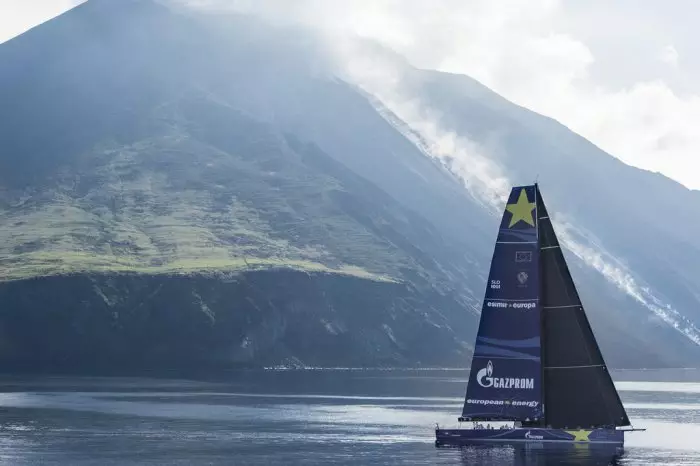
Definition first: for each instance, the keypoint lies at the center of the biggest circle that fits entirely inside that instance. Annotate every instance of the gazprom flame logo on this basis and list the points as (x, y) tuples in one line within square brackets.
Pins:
[(485, 373), (485, 378)]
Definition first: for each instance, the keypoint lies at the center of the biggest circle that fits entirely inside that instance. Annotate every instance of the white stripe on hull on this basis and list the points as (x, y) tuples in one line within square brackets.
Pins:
[(524, 440)]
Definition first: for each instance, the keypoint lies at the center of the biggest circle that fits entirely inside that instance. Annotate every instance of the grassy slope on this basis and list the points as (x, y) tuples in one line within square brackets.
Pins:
[(244, 200)]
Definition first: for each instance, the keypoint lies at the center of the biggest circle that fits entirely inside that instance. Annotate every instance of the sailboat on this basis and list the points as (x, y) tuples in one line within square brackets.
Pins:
[(536, 362)]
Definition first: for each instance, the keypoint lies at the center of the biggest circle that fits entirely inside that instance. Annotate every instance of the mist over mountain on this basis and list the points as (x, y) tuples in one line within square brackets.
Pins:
[(182, 188)]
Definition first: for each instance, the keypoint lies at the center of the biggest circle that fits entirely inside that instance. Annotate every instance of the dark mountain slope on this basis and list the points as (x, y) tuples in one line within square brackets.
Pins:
[(149, 323)]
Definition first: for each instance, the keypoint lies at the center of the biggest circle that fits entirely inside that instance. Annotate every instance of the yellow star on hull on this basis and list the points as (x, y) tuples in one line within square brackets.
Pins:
[(580, 435)]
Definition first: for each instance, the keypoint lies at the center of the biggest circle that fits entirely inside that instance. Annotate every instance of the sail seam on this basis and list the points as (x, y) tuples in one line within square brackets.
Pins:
[(513, 300), (575, 367), (561, 307), (549, 247), (516, 242), (480, 356)]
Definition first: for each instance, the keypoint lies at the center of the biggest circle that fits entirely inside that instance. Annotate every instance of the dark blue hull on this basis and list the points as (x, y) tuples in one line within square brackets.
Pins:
[(457, 437)]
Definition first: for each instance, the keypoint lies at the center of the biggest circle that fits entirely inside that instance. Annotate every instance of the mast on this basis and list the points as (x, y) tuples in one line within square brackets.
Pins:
[(543, 420), (505, 381), (578, 389)]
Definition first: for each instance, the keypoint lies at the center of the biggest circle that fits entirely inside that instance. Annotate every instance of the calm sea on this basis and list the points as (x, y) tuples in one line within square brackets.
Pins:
[(348, 417)]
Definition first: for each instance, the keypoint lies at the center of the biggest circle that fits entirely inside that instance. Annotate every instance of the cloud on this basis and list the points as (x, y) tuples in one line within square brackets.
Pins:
[(381, 78), (562, 59), (669, 55)]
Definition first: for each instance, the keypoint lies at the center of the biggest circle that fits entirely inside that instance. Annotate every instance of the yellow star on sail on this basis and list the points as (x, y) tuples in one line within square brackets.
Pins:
[(580, 435), (521, 210)]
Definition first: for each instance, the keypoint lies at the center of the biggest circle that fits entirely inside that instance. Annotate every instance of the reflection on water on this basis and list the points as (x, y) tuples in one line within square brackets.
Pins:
[(538, 454), (307, 417)]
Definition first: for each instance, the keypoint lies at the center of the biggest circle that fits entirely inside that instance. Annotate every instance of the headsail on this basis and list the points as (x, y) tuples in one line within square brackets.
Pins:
[(506, 374), (579, 391)]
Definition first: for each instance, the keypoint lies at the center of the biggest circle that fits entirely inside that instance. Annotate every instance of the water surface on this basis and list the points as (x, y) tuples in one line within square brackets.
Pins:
[(338, 417)]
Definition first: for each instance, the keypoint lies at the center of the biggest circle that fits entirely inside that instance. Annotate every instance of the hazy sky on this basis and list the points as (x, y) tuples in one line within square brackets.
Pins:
[(623, 74), (16, 16)]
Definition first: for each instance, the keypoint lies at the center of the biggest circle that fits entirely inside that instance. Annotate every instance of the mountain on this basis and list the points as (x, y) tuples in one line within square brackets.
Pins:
[(641, 226), (187, 190)]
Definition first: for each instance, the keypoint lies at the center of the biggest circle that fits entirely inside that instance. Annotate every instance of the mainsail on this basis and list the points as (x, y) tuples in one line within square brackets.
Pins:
[(506, 376), (579, 392), (535, 347)]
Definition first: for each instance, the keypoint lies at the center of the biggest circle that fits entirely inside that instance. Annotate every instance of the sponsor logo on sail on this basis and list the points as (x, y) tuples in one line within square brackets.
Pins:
[(528, 404), (500, 304), (485, 378), (525, 305), (522, 278), (486, 402), (523, 256), (532, 436)]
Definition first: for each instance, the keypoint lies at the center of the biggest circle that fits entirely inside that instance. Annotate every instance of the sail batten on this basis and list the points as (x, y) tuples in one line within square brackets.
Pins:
[(572, 367), (516, 242)]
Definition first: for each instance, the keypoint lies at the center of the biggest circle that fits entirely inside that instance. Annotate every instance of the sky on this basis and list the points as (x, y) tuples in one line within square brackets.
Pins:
[(16, 16), (623, 74)]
